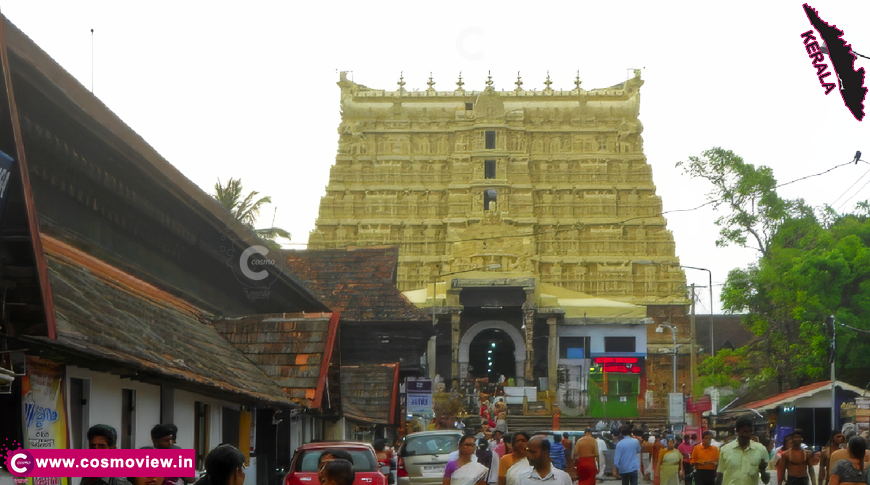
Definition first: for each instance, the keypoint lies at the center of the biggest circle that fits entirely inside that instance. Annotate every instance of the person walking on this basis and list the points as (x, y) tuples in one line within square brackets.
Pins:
[(489, 459), (103, 437), (542, 469), (497, 445), (224, 465), (852, 470), (464, 470), (513, 463), (796, 463), (557, 453), (669, 467), (338, 472), (834, 443), (685, 449), (705, 460), (626, 458), (585, 457), (602, 463), (742, 460)]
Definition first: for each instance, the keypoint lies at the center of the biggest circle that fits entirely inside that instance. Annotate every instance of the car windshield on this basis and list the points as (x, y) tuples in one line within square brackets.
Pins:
[(363, 460), (430, 444)]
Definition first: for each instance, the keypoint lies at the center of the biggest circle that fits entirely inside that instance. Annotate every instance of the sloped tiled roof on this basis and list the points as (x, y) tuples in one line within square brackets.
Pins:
[(358, 282), (369, 392), (105, 314), (796, 393), (294, 349)]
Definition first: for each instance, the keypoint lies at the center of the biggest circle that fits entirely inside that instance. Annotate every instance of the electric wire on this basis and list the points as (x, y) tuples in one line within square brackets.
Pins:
[(853, 328), (850, 188), (853, 195)]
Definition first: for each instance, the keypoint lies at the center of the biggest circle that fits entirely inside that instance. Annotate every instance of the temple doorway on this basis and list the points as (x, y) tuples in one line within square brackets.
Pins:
[(491, 354), (508, 339)]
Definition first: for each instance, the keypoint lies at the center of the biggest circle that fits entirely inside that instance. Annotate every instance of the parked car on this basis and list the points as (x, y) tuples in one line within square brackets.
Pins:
[(303, 466), (423, 456)]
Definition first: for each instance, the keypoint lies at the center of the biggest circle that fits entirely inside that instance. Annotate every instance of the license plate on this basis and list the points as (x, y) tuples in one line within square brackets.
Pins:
[(433, 468)]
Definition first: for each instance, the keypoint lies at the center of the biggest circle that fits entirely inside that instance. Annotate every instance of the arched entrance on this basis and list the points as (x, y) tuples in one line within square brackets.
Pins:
[(491, 354), (488, 326)]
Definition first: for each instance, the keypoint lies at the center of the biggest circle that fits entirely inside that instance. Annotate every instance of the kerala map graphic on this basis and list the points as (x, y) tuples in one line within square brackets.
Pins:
[(851, 81)]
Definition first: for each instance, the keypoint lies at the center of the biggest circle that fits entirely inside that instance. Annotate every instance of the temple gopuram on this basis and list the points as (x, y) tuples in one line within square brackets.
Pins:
[(527, 223)]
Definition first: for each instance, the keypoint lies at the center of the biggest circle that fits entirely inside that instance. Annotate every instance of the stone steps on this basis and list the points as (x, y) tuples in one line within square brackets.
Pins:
[(542, 423)]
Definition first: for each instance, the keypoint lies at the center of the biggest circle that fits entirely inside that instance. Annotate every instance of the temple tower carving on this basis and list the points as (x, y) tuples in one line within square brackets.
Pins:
[(529, 183)]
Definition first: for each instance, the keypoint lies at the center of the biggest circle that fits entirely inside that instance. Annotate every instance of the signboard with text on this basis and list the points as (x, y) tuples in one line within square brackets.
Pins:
[(419, 395)]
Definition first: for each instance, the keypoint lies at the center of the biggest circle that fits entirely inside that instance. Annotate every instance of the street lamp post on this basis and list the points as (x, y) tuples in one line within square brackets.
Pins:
[(710, 286), (661, 329)]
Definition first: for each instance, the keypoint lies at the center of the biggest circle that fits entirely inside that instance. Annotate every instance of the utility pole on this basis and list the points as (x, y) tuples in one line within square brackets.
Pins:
[(693, 369), (832, 328)]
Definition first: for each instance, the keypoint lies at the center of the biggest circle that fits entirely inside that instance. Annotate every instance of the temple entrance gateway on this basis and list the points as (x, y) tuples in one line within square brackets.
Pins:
[(485, 329), (491, 354)]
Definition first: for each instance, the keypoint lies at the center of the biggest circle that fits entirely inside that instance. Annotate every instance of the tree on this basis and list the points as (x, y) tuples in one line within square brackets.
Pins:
[(810, 266), (246, 210), (748, 194)]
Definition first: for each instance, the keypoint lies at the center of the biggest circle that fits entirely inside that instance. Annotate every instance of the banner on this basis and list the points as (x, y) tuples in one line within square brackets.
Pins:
[(45, 426)]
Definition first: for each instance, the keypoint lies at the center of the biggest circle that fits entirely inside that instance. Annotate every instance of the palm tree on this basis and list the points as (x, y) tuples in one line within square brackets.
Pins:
[(247, 210)]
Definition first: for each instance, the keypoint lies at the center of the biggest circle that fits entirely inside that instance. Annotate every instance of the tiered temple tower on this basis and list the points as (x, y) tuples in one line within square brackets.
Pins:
[(547, 184)]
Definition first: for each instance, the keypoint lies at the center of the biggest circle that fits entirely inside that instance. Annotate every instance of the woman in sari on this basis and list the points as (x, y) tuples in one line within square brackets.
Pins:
[(670, 465), (463, 471), (511, 465)]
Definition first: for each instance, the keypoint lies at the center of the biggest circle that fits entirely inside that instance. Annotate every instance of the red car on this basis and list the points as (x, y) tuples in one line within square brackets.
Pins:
[(303, 467)]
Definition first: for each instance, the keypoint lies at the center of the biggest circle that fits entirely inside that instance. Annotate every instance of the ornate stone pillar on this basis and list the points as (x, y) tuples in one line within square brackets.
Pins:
[(529, 323), (553, 360), (454, 344)]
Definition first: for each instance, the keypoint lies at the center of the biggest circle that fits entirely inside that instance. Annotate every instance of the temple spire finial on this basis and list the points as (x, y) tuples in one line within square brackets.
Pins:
[(519, 82), (577, 81), (401, 82), (460, 83), (548, 82), (430, 83)]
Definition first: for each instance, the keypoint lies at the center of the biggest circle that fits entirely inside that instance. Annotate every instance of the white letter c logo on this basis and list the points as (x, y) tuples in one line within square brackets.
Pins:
[(243, 263), (13, 463)]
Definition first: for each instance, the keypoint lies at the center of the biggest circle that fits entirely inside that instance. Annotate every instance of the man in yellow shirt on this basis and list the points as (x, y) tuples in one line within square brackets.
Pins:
[(705, 459), (742, 460)]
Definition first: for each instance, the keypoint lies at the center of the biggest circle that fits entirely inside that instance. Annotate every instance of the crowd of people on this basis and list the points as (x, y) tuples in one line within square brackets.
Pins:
[(224, 465), (742, 459)]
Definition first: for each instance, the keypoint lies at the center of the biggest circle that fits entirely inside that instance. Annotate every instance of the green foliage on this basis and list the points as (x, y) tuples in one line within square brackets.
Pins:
[(748, 195), (810, 266), (246, 210)]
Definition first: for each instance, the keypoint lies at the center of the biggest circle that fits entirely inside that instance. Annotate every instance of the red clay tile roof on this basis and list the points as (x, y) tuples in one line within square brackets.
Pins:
[(105, 314), (294, 349), (358, 282), (785, 396), (369, 392)]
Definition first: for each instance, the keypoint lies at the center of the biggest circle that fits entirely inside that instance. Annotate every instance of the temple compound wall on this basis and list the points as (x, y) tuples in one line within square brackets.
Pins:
[(499, 198)]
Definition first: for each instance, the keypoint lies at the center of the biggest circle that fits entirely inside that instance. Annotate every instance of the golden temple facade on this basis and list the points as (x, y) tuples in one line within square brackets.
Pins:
[(547, 184)]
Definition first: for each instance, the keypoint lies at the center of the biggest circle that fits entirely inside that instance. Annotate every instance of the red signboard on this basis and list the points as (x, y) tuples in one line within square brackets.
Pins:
[(623, 368), (703, 403), (616, 360)]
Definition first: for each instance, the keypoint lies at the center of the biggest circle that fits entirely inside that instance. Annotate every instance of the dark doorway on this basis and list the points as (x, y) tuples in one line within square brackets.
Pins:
[(490, 354)]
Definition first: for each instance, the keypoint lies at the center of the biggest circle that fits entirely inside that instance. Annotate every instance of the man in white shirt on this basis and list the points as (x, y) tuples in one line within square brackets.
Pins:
[(601, 462), (542, 469)]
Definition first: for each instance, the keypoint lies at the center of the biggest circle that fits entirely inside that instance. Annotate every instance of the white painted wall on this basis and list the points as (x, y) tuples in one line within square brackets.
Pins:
[(596, 334), (105, 407), (185, 414), (105, 402)]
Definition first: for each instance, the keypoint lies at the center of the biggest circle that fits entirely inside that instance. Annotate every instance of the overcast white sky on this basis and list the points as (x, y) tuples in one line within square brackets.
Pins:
[(248, 89)]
